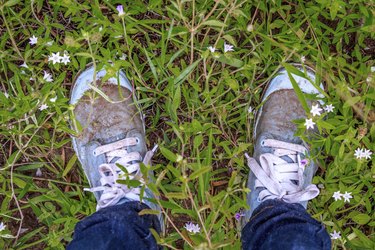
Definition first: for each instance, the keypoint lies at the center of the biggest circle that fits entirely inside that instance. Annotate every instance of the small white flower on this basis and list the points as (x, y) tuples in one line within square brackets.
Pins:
[(53, 99), (120, 10), (303, 59), (2, 226), (358, 153), (24, 65), (65, 59), (192, 228), (49, 43), (38, 172), (335, 235), (212, 49), (337, 195), (100, 28), (373, 69), (250, 27), (329, 108), (47, 77), (362, 153), (366, 153), (43, 107), (347, 196), (309, 123), (250, 110), (315, 110), (6, 95), (33, 40), (55, 58), (123, 57), (369, 79), (228, 47)]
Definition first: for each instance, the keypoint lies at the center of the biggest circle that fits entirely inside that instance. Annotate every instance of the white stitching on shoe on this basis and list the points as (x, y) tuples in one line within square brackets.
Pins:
[(281, 180), (113, 192)]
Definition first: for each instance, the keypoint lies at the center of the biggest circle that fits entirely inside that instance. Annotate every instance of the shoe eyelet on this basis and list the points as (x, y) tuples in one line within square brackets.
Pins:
[(262, 143), (137, 140)]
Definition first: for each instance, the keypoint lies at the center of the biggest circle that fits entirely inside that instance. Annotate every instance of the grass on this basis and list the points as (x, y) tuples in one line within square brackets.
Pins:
[(196, 105)]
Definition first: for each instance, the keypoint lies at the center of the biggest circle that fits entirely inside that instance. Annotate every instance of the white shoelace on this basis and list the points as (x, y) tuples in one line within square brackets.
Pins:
[(281, 179), (110, 172)]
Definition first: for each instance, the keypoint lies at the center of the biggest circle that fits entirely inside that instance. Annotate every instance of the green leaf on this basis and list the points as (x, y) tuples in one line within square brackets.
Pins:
[(129, 183), (153, 188), (363, 238), (369, 28), (168, 154), (10, 3), (156, 235), (299, 93), (186, 72), (149, 211), (69, 165), (100, 92), (84, 54), (152, 66), (361, 219), (334, 8), (176, 195), (230, 39), (351, 101), (174, 171), (326, 125), (177, 98), (187, 212), (30, 167), (233, 84), (215, 23), (199, 172), (198, 141), (230, 61), (19, 182), (169, 204)]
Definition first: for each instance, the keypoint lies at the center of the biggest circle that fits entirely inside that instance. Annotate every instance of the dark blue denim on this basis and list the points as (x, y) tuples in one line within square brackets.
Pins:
[(274, 225), (116, 227), (279, 225)]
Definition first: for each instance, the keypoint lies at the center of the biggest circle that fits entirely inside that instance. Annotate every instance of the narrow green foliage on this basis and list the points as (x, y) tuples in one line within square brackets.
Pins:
[(199, 102)]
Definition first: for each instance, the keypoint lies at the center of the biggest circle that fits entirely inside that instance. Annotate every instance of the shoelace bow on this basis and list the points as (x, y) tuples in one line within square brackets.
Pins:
[(281, 179), (110, 172)]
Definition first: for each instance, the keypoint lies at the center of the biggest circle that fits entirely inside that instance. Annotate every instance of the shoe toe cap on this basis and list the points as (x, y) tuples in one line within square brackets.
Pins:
[(85, 78), (282, 82)]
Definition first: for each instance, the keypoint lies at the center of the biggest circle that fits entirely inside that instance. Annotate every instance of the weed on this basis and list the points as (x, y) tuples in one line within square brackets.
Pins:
[(198, 94)]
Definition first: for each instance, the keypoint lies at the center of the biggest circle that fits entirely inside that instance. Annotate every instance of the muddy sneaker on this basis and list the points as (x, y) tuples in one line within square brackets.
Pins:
[(111, 139), (279, 168)]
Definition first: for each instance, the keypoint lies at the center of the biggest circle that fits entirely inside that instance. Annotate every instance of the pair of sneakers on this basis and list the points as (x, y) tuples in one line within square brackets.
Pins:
[(111, 143)]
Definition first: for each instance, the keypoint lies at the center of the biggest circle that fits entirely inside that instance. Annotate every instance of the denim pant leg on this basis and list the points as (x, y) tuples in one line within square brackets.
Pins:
[(116, 227), (279, 225)]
